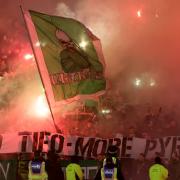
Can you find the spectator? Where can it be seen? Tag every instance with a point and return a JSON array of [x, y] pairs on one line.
[[109, 170], [141, 167], [53, 167], [111, 161], [175, 166], [73, 170], [158, 171], [37, 168]]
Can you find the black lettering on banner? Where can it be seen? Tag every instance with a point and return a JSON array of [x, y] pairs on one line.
[[24, 143], [96, 147], [150, 146], [174, 145], [125, 147], [178, 146], [41, 141], [46, 138], [35, 141], [123, 151], [1, 140], [81, 149], [53, 143], [118, 144], [164, 145]]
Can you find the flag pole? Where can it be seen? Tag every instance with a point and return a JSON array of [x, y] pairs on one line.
[[35, 57]]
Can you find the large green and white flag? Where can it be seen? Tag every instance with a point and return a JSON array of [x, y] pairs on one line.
[[69, 57]]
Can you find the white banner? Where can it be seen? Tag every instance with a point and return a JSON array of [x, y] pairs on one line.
[[87, 146]]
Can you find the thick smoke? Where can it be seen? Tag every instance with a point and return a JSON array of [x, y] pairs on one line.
[[145, 47], [20, 85], [136, 46]]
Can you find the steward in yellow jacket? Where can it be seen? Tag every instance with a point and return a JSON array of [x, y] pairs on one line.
[[111, 166], [158, 171], [109, 170], [37, 168], [73, 170]]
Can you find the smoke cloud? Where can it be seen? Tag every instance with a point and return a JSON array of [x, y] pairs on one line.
[[135, 46], [146, 48]]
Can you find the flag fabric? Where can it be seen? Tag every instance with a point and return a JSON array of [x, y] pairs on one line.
[[69, 57]]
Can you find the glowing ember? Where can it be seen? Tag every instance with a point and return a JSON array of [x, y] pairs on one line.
[[139, 14], [105, 111], [37, 44], [28, 56], [83, 44], [137, 82]]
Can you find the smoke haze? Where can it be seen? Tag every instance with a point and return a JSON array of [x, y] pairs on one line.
[[145, 47]]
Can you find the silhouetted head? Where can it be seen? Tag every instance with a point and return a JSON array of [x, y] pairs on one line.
[[157, 160], [75, 159], [52, 155], [112, 151]]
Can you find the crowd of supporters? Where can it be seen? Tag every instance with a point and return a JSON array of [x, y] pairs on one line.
[[130, 120]]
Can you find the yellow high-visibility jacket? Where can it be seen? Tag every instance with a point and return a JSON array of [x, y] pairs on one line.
[[37, 171], [72, 170], [158, 172]]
